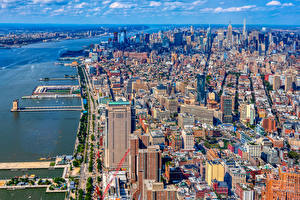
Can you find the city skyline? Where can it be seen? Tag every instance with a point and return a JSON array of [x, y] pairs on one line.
[[150, 12]]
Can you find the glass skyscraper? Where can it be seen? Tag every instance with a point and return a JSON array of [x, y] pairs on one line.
[[201, 94]]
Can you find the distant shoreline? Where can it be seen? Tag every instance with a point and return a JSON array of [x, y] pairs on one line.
[[48, 41]]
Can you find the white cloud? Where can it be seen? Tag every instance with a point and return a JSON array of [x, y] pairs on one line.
[[154, 3], [81, 5], [199, 2], [120, 5], [231, 9], [57, 11], [287, 4], [106, 2], [173, 5], [47, 1], [273, 3]]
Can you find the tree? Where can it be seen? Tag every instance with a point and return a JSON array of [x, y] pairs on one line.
[[80, 194], [293, 155]]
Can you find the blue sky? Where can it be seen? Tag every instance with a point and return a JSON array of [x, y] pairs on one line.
[[150, 12]]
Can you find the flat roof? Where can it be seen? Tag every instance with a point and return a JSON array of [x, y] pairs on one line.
[[119, 103]]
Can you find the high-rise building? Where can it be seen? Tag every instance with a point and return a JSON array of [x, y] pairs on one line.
[[172, 104], [276, 82], [288, 83], [214, 171], [201, 94], [150, 162], [244, 30], [134, 148], [148, 166], [116, 36], [192, 30], [123, 37], [226, 108], [178, 39], [118, 129], [147, 38], [229, 34]]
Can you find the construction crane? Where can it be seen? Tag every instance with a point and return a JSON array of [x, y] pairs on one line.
[[112, 178]]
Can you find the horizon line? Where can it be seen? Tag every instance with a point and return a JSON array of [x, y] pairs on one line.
[[147, 24]]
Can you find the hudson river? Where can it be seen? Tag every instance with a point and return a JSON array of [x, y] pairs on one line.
[[29, 136]]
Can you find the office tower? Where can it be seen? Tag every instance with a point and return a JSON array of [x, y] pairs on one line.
[[276, 82], [149, 165], [220, 35], [229, 34], [115, 37], [214, 171], [172, 104], [201, 94], [192, 30], [133, 117], [178, 39], [147, 38], [244, 30], [288, 83], [134, 148], [137, 38], [123, 37], [226, 108], [118, 128]]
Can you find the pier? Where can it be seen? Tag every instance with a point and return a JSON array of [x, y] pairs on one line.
[[58, 79], [47, 108], [16, 108], [51, 96]]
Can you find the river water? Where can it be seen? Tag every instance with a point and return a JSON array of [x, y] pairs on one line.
[[28, 136]]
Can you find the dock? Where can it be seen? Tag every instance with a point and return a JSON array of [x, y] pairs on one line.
[[47, 108], [25, 165], [58, 79], [42, 96]]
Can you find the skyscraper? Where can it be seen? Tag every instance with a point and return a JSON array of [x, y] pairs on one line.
[[123, 37], [201, 95], [214, 170], [178, 39], [288, 82], [118, 128], [244, 30], [276, 82], [116, 36], [226, 107], [229, 34]]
